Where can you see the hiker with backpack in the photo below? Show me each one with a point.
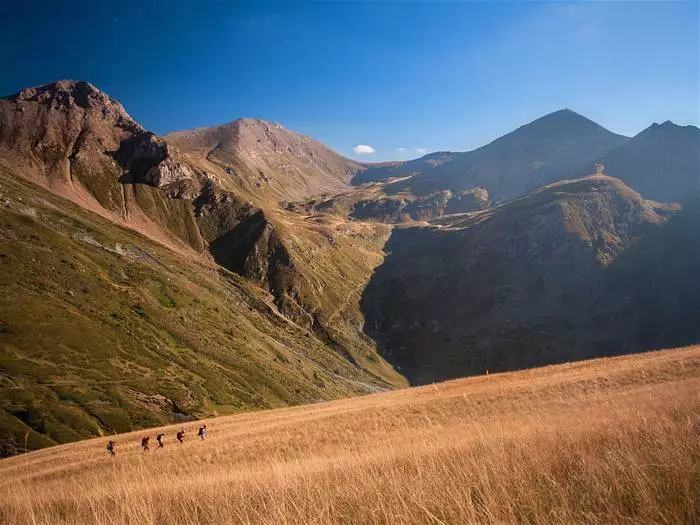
(180, 436)
(202, 432)
(144, 443)
(110, 448)
(160, 438)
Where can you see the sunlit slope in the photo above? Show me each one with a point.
(103, 330)
(602, 441)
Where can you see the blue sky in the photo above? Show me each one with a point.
(400, 77)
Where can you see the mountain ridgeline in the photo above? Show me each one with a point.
(151, 279)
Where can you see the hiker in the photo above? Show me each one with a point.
(144, 443)
(202, 432)
(160, 438)
(180, 436)
(110, 448)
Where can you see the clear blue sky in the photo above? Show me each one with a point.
(392, 75)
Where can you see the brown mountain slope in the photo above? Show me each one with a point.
(267, 161)
(576, 269)
(547, 149)
(80, 144)
(76, 141)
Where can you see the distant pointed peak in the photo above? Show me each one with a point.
(668, 127)
(564, 114)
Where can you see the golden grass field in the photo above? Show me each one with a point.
(603, 441)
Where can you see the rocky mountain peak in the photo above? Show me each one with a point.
(67, 95)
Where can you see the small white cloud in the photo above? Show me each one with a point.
(401, 150)
(363, 149)
(421, 151)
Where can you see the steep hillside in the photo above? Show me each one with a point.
(268, 161)
(662, 162)
(180, 284)
(576, 269)
(548, 149)
(78, 143)
(103, 330)
(81, 144)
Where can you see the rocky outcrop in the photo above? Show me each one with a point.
(473, 199)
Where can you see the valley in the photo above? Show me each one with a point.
(148, 280)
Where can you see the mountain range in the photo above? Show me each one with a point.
(149, 279)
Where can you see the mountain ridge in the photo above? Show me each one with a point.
(315, 286)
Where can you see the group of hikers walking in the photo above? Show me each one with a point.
(160, 438)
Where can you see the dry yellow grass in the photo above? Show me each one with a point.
(604, 441)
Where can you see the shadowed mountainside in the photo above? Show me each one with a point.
(662, 162)
(574, 270)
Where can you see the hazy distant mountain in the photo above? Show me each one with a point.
(574, 270)
(547, 149)
(662, 162)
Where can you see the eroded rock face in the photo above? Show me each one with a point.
(473, 199)
(395, 209)
(168, 172)
(67, 95)
(385, 210)
(149, 160)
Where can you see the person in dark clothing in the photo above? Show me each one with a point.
(160, 438)
(202, 432)
(110, 448)
(144, 443)
(180, 436)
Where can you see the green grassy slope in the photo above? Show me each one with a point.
(103, 330)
